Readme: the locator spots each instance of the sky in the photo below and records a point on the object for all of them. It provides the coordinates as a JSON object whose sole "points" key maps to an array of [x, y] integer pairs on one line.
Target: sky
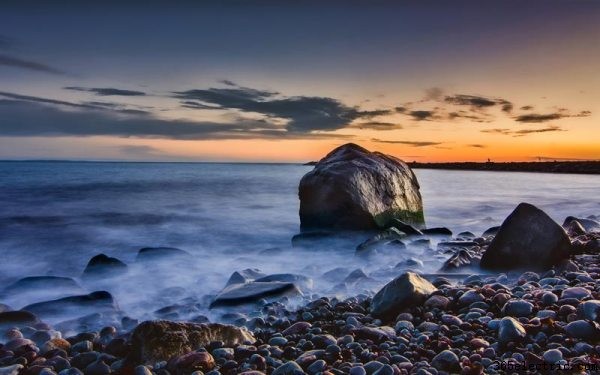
{"points": [[272, 81]]}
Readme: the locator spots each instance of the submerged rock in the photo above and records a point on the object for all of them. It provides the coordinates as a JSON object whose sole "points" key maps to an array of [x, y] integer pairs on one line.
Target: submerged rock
{"points": [[102, 265], [154, 253], [161, 340], [95, 302], [44, 286], [244, 276], [529, 239], [238, 294], [17, 318], [408, 289], [352, 188]]}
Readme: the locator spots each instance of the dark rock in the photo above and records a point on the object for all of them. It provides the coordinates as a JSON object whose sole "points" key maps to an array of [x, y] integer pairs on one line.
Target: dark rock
{"points": [[102, 265], [510, 330], [17, 318], [405, 228], [528, 238], [385, 240], [160, 340], [244, 276], [299, 280], [154, 253], [239, 294], [46, 286], [491, 231], [352, 188], [459, 260], [408, 289], [589, 310], [94, 302], [441, 231], [583, 329], [446, 361], [588, 225]]}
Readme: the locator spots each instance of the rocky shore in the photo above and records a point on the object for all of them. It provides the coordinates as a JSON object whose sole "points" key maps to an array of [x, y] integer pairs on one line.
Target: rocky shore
{"points": [[509, 322]]}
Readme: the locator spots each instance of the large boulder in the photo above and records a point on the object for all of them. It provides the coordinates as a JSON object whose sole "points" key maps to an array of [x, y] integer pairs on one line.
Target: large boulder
{"points": [[102, 265], [160, 340], [354, 189], [527, 239], [406, 290]]}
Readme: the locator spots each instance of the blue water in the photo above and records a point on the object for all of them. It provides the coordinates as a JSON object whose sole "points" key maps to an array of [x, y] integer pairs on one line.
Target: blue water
{"points": [[55, 215]]}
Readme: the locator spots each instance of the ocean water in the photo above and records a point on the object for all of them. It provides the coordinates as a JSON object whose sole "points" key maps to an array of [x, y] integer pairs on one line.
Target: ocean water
{"points": [[54, 216]]}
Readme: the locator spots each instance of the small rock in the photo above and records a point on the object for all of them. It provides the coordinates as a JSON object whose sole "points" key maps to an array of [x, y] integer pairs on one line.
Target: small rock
{"points": [[446, 361], [406, 290], [510, 330]]}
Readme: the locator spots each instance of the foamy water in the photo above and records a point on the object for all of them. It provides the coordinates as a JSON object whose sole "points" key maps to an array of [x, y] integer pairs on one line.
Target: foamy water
{"points": [[56, 216]]}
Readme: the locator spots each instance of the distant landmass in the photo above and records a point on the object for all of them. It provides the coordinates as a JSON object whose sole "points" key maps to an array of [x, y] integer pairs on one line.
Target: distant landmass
{"points": [[580, 167]]}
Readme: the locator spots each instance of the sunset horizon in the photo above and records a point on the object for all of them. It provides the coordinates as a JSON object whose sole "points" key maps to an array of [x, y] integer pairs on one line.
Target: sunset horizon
{"points": [[240, 83]]}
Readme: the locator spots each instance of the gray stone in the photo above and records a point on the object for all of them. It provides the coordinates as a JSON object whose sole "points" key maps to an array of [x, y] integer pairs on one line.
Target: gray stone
{"points": [[95, 302], [510, 330], [576, 292], [408, 289], [582, 329], [352, 188], [288, 368], [517, 308], [528, 238], [11, 370], [552, 355], [589, 310], [446, 361]]}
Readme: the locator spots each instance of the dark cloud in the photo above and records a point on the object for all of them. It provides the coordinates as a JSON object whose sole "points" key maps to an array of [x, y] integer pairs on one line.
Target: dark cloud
{"points": [[471, 100], [196, 105], [477, 145], [32, 116], [545, 117], [520, 133], [408, 143], [106, 91], [422, 115], [228, 82], [303, 113], [400, 109], [375, 113], [434, 93], [16, 62], [523, 132], [376, 125], [527, 107], [507, 106], [467, 115]]}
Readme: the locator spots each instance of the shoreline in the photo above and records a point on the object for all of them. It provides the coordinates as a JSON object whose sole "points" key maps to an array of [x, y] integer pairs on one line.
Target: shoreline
{"points": [[562, 167]]}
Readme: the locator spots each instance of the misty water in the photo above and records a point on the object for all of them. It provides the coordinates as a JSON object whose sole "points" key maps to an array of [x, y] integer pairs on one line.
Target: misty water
{"points": [[55, 216]]}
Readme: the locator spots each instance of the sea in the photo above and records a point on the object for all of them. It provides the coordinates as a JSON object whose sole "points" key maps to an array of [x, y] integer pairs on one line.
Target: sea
{"points": [[55, 216]]}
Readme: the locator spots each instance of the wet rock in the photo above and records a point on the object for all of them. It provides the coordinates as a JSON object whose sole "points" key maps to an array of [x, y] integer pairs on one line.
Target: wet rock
{"points": [[352, 188], [102, 265], [491, 231], [510, 330], [97, 368], [459, 260], [552, 355], [17, 318], [301, 281], [588, 225], [52, 287], [589, 310], [439, 231], [517, 308], [582, 329], [469, 297], [244, 276], [405, 228], [446, 361], [576, 292], [288, 368], [408, 289], [11, 370], [297, 328], [528, 238], [94, 302], [157, 253], [238, 294], [190, 362], [387, 240], [154, 341]]}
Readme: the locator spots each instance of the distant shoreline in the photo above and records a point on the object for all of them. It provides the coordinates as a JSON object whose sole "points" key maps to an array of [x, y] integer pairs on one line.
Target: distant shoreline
{"points": [[576, 167]]}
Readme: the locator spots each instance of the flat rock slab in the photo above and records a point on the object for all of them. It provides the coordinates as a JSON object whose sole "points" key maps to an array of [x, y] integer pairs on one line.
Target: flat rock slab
{"points": [[161, 340], [95, 302], [239, 294]]}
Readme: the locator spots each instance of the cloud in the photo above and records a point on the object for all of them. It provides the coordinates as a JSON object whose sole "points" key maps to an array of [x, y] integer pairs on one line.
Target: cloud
{"points": [[527, 108], [545, 117], [303, 114], [434, 93], [471, 100], [422, 115], [477, 145], [375, 113], [16, 62], [32, 116], [106, 91], [408, 143], [523, 132], [376, 125], [139, 150]]}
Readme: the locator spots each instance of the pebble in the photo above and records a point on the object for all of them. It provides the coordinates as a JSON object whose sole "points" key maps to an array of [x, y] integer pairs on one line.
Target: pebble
{"points": [[510, 330], [576, 292], [552, 355], [517, 308], [446, 361]]}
